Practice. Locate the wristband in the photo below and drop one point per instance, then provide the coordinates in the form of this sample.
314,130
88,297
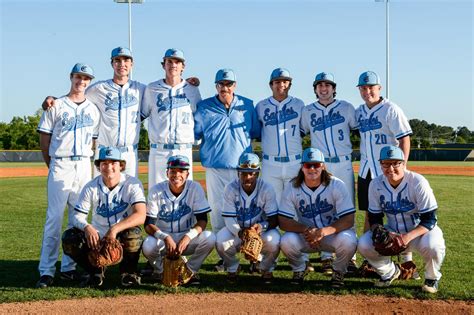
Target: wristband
160,235
192,233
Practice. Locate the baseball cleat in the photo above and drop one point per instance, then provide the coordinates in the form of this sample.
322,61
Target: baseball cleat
387,282
298,277
92,281
267,277
71,275
220,267
326,267
309,267
352,268
44,282
430,286
130,279
337,280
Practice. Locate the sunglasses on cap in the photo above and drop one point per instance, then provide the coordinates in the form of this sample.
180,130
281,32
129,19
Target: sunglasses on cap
249,166
178,164
312,165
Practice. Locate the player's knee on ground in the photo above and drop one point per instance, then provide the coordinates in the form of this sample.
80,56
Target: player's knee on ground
74,243
131,239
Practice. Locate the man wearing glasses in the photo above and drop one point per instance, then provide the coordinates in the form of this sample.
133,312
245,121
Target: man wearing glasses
408,202
317,214
226,123
249,203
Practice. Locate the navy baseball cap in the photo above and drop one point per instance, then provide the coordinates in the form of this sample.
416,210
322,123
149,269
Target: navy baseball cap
312,155
369,78
109,153
280,74
324,77
249,162
225,75
391,153
174,53
82,68
121,51
178,161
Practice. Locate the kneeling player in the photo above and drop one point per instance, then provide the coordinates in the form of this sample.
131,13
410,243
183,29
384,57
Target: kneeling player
249,203
176,220
407,200
118,208
325,216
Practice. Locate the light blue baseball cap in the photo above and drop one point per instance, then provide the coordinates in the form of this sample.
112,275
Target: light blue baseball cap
280,74
225,75
82,68
174,53
110,153
312,155
121,52
178,161
324,77
249,162
391,152
369,78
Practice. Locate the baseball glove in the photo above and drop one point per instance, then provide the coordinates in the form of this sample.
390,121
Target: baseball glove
251,245
407,269
387,243
175,271
110,253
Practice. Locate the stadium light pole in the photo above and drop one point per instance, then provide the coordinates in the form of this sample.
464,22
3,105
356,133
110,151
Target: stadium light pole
387,48
129,21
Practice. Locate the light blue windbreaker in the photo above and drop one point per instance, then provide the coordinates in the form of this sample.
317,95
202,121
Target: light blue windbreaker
225,134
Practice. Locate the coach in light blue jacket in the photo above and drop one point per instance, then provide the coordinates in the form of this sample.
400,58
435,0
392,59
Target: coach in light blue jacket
226,123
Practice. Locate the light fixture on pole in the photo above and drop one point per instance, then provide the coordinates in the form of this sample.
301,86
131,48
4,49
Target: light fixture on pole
129,21
387,47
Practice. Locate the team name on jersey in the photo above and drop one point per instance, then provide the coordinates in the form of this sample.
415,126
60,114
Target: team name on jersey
281,116
368,124
175,215
175,101
331,119
317,208
115,207
80,121
397,206
247,214
113,103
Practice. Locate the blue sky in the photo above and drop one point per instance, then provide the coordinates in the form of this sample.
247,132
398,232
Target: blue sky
431,47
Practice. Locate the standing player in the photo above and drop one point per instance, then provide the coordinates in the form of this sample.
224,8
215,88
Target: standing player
317,214
169,103
329,122
118,208
226,123
176,220
407,200
66,134
119,100
280,117
249,203
381,123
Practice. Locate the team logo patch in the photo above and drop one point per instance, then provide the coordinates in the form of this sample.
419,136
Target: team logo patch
390,153
84,68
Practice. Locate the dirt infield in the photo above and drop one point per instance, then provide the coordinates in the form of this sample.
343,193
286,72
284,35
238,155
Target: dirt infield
241,303
425,170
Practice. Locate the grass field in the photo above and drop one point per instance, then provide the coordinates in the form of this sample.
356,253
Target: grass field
23,204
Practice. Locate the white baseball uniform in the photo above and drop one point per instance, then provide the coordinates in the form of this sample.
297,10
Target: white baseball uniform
72,128
329,128
380,126
319,208
170,124
120,118
109,207
176,215
403,206
242,211
281,140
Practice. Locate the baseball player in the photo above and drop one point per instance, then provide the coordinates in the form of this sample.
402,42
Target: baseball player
407,200
169,103
226,124
317,213
119,100
381,123
118,209
329,122
176,220
66,139
249,203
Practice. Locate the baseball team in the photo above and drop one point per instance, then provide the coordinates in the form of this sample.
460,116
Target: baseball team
299,201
